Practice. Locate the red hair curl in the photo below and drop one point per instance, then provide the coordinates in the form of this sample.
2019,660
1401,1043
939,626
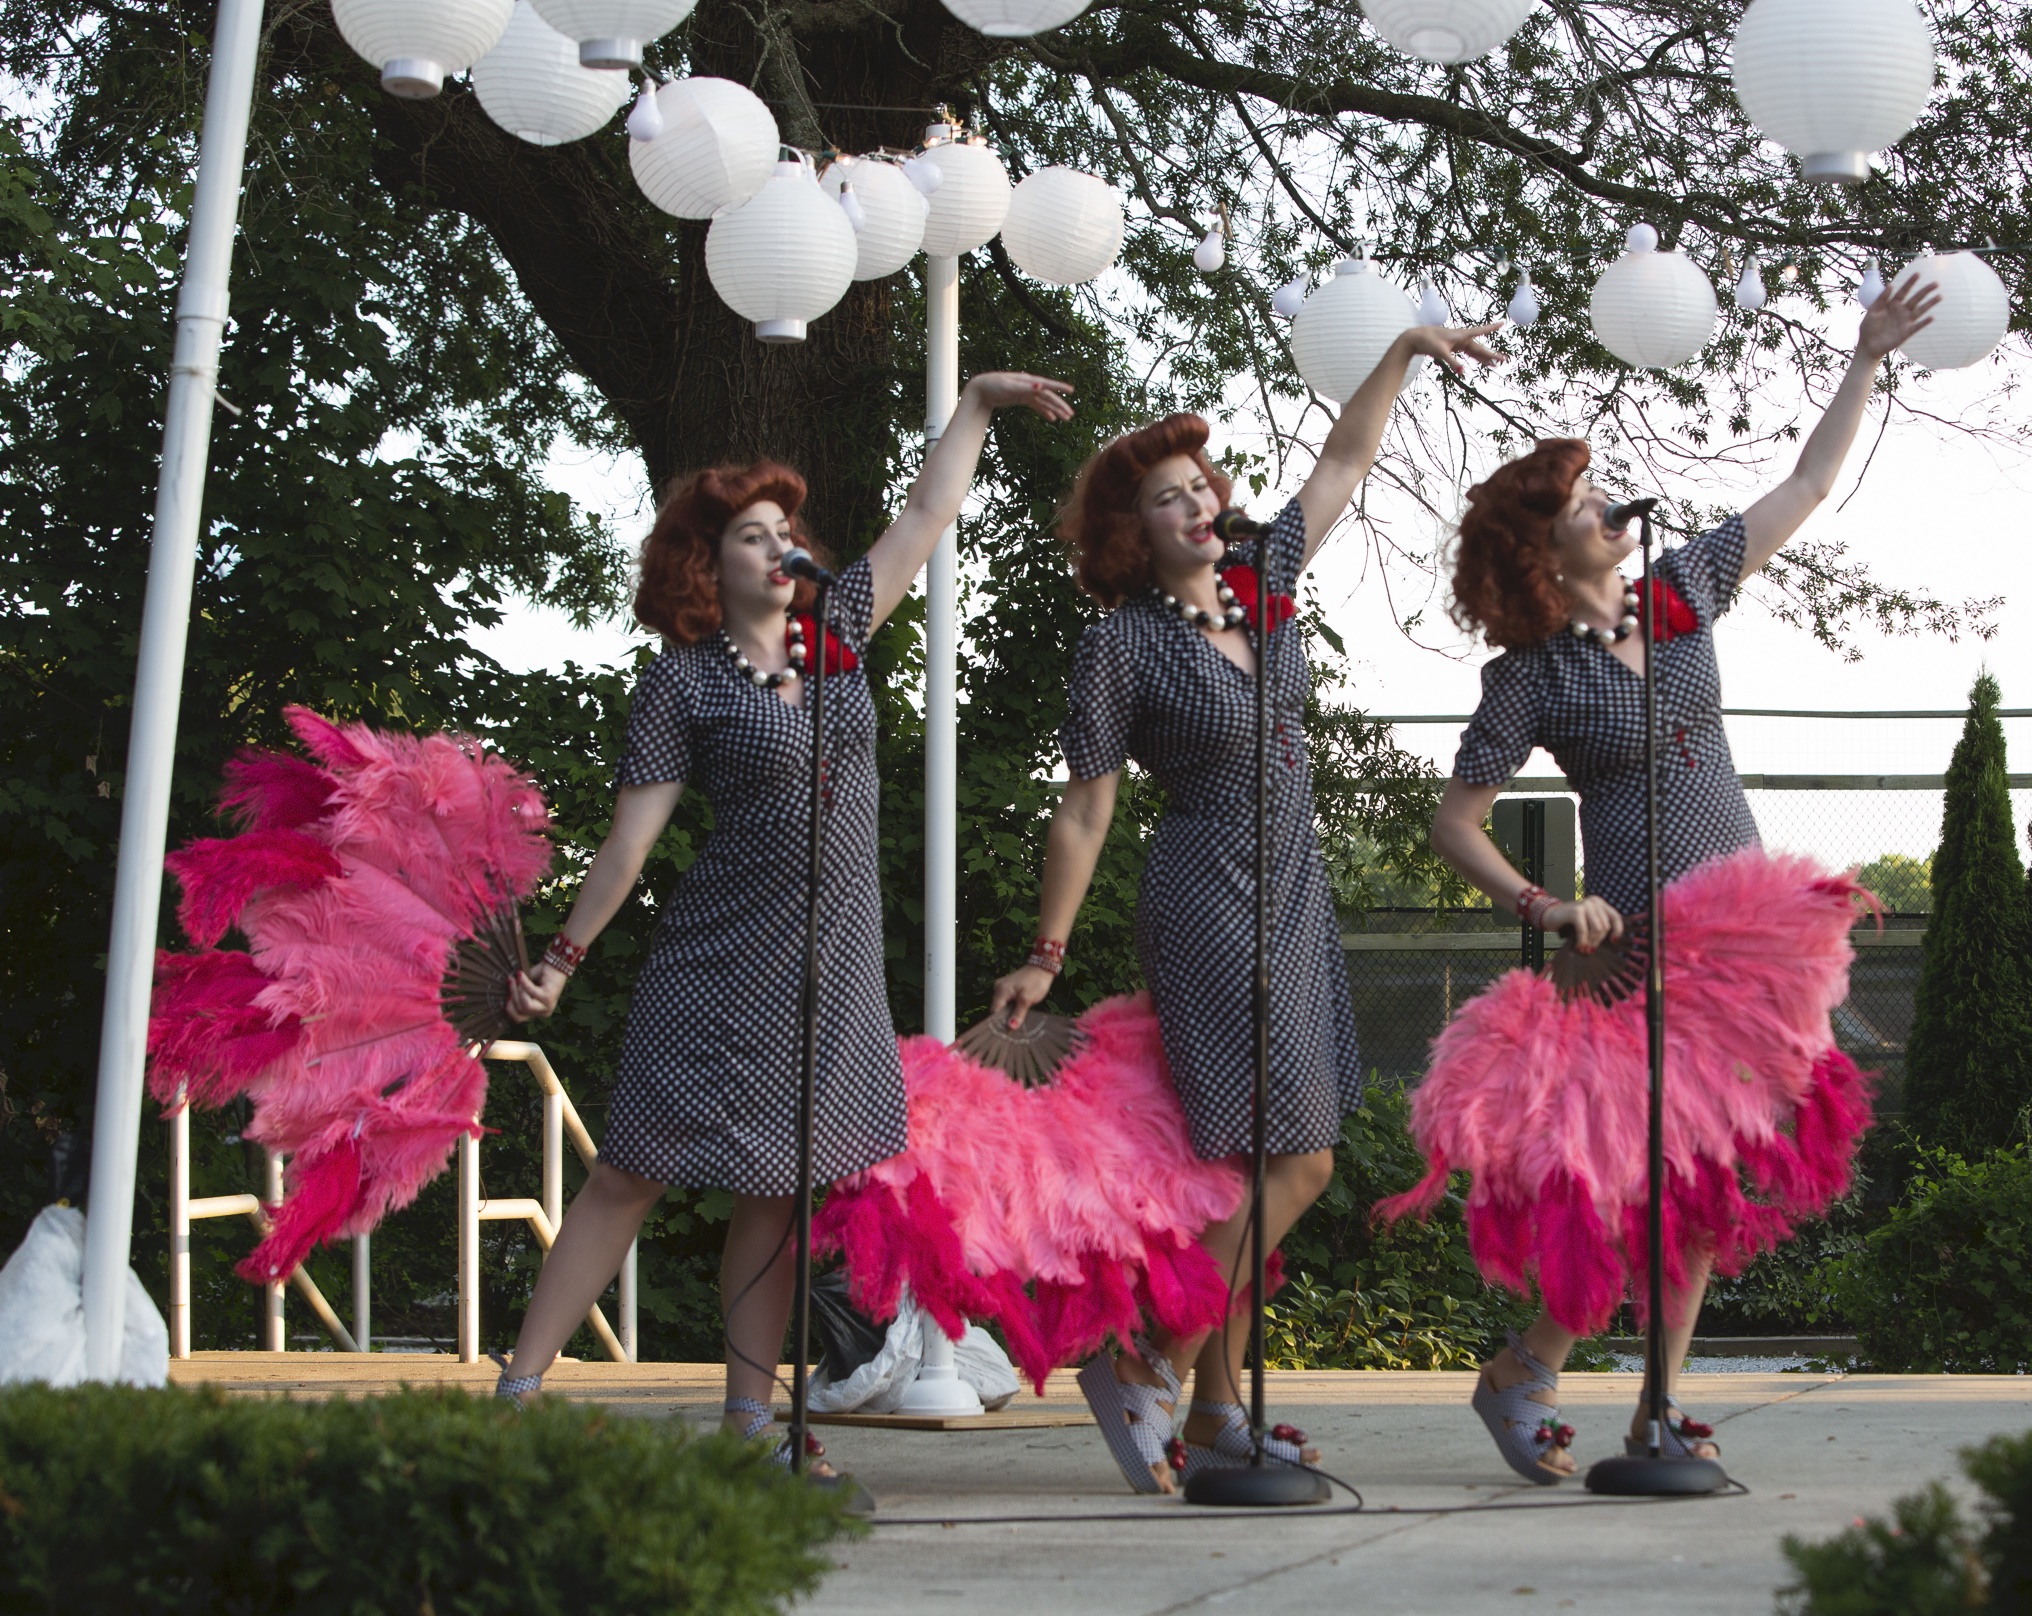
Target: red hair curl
679,595
1505,575
1111,556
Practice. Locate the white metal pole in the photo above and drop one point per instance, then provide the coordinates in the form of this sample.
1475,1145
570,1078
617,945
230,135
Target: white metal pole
179,1230
363,1292
553,1156
274,1337
625,1304
941,681
469,1249
158,679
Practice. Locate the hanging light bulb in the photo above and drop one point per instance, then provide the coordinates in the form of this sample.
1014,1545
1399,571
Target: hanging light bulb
1211,253
531,84
1524,308
1653,309
1750,294
1433,308
1872,286
418,44
645,118
1289,298
923,173
850,205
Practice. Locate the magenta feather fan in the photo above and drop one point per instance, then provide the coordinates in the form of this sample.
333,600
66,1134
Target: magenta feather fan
360,879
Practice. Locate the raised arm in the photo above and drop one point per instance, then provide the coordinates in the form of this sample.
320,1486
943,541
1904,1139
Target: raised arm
1458,837
1350,448
935,498
1079,830
1778,515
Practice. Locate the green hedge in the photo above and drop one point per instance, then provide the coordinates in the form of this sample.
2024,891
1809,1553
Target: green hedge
1928,1559
425,1502
1945,1283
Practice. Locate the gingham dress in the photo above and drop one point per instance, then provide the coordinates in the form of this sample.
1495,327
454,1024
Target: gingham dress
1148,685
707,1091
1575,699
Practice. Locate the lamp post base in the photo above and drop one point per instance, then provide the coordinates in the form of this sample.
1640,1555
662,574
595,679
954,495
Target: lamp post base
1264,1486
1645,1477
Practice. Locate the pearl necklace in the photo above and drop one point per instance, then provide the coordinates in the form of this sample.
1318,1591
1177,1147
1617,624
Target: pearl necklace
1232,613
1606,636
794,633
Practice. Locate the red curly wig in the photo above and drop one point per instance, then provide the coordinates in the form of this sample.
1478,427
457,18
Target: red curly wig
1505,576
1111,557
679,595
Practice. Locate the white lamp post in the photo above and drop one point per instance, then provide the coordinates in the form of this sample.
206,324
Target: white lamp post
1833,80
417,44
719,143
532,85
1447,30
1653,309
1344,328
611,33
783,257
158,680
1971,318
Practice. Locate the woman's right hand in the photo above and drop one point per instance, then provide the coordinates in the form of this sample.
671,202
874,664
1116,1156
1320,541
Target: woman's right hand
533,995
1591,921
1015,993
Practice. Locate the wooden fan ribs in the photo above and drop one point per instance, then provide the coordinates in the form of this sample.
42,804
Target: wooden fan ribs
475,994
1029,1053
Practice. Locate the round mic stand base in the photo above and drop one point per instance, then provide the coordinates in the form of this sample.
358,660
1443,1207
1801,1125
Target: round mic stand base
1264,1486
856,1499
1644,1477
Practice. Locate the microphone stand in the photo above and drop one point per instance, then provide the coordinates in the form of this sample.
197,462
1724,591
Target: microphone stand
859,1502
1653,1474
1259,1484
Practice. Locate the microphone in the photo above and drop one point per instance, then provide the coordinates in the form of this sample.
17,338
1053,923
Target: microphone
1231,525
799,564
1618,517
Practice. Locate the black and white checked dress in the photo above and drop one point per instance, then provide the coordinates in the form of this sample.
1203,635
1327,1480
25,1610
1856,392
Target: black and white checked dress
1148,685
707,1090
1575,699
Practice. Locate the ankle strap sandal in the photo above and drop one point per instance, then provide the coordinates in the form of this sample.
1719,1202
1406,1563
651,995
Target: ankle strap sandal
513,1388
764,1417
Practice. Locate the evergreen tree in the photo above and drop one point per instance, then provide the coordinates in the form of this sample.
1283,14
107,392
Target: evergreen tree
1969,1066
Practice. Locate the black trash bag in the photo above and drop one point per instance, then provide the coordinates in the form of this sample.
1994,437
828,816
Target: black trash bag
848,1338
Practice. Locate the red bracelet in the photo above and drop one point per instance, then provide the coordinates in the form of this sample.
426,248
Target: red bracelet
1047,955
563,956
1533,904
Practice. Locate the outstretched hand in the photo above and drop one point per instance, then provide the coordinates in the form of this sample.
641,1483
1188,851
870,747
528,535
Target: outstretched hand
1448,343
1896,317
998,389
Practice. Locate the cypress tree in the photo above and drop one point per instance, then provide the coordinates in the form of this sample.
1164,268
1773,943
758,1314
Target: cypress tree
1969,1064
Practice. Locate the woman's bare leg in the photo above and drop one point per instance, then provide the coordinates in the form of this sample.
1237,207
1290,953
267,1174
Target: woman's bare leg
758,1272
603,1219
1682,1313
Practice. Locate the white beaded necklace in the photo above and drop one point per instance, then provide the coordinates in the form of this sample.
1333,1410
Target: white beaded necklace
1232,613
1610,636
769,681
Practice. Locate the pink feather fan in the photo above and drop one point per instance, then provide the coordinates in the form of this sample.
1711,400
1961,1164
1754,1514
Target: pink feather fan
358,878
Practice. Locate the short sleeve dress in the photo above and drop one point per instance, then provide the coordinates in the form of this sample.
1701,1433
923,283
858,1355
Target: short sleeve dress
1148,685
706,1095
1574,698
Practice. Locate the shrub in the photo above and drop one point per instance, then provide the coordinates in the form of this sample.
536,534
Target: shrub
114,1498
1928,1560
1945,1283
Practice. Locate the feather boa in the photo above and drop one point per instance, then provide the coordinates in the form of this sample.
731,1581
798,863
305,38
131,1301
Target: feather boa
1546,1103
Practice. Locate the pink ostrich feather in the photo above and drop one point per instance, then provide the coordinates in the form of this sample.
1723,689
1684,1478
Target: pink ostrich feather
1064,1212
1545,1103
355,879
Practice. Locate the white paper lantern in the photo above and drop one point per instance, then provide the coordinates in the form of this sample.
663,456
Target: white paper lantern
1346,327
531,84
1971,318
1063,227
718,145
611,33
418,44
1653,309
1015,19
1447,30
892,213
1833,80
783,257
972,198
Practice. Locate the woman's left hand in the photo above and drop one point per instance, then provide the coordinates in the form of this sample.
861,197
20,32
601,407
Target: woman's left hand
998,389
1896,317
1447,343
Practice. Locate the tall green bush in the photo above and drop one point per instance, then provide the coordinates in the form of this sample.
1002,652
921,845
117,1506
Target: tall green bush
1969,1063
146,1502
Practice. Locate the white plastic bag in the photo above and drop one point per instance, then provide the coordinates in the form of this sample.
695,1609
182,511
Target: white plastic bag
42,1310
879,1384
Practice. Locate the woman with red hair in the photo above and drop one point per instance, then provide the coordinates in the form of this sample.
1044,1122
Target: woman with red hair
1168,678
706,1092
1541,1093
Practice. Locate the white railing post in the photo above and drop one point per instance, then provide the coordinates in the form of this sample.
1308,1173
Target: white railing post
625,1304
179,1229
273,1338
469,1248
363,1291
553,1156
